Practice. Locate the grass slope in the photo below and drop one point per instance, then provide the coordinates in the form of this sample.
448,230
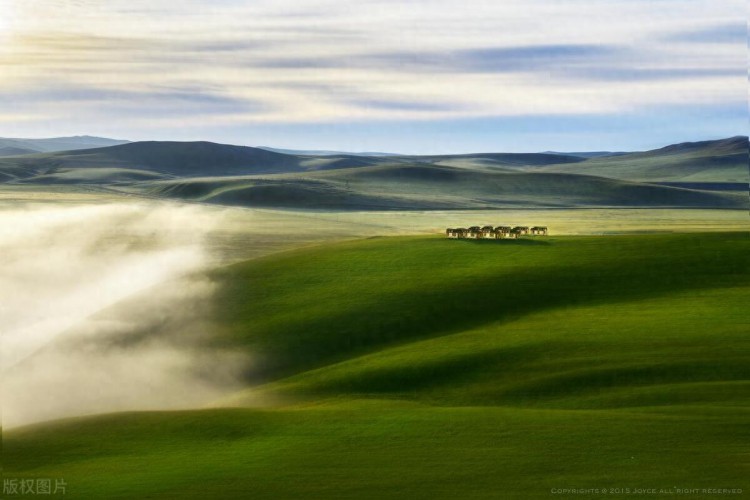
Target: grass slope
103,175
171,158
495,160
191,159
420,187
15,150
355,450
53,144
709,174
296,307
706,161
417,367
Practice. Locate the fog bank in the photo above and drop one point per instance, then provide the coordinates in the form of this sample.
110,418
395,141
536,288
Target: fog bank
72,344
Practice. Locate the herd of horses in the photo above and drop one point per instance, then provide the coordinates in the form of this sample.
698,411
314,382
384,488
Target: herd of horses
495,232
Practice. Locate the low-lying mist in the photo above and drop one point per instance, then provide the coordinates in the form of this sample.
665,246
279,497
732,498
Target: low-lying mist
104,308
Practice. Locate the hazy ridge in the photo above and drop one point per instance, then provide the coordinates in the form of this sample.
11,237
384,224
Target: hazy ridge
707,174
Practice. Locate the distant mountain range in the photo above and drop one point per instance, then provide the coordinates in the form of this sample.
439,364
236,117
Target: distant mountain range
698,174
588,154
724,160
320,152
14,147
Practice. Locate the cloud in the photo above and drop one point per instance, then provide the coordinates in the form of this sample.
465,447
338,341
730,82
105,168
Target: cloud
404,105
491,59
534,57
617,131
234,64
734,33
149,102
635,74
180,95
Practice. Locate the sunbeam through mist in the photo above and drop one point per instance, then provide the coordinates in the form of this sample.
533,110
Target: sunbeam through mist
104,309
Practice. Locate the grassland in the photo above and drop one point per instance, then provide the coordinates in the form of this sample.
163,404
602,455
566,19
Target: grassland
432,187
709,174
426,368
697,162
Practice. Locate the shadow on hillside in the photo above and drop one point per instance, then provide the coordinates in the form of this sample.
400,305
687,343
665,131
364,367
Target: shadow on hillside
461,301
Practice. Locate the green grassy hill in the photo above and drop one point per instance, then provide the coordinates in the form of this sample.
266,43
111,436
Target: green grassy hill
102,175
165,158
709,174
52,144
12,150
416,287
323,152
494,160
426,187
418,367
206,159
706,161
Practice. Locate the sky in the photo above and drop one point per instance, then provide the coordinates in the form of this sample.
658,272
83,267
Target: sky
424,76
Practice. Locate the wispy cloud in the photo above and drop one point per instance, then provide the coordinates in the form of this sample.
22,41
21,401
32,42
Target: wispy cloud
635,74
236,64
534,58
728,33
412,106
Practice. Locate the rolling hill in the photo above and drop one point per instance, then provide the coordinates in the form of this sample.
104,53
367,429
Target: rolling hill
159,158
410,288
49,145
319,152
203,159
706,174
458,369
587,154
506,160
10,150
707,161
425,187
